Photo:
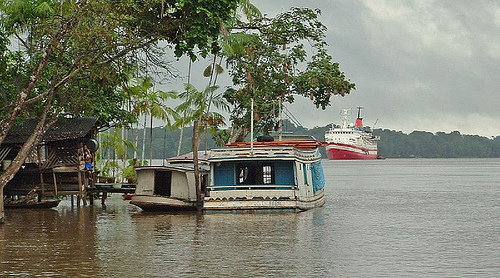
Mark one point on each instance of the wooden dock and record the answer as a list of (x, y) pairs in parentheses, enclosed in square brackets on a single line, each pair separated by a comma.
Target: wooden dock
[(105, 188)]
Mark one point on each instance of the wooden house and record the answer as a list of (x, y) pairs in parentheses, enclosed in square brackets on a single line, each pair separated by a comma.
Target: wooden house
[(56, 166)]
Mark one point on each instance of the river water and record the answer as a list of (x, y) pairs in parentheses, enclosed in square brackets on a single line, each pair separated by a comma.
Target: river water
[(384, 218)]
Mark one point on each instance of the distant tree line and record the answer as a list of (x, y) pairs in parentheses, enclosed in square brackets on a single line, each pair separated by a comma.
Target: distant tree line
[(439, 145), (393, 144)]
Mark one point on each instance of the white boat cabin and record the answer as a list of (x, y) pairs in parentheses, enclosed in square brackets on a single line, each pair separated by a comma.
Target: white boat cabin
[(269, 176)]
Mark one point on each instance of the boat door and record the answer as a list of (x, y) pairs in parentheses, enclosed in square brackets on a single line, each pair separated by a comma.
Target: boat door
[(163, 183)]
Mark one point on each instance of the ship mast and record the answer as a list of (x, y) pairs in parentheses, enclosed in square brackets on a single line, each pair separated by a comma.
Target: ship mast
[(359, 120), (345, 118), (359, 110)]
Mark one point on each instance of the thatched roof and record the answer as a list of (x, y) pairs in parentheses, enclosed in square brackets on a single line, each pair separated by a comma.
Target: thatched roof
[(63, 129)]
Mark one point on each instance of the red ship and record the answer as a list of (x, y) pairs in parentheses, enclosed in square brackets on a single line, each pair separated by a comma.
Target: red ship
[(350, 141)]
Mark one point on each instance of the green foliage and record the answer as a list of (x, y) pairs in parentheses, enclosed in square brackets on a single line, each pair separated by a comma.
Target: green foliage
[(269, 63), (393, 144), (146, 101), (439, 145), (129, 171), (188, 25), (165, 142), (115, 142), (86, 50), (196, 106), (112, 142), (108, 168)]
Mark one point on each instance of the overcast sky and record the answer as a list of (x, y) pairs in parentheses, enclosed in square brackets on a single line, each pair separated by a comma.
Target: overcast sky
[(418, 65)]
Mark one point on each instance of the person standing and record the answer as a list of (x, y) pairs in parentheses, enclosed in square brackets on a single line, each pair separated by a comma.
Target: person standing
[(87, 156)]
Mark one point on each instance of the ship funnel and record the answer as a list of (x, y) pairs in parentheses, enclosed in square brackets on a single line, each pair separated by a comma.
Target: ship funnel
[(358, 123)]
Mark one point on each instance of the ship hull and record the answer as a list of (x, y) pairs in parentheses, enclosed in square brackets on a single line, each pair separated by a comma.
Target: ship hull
[(336, 151)]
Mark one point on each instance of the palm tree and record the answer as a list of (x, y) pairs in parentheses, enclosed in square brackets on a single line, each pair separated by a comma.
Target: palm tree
[(195, 110), (149, 102), (197, 105), (120, 146)]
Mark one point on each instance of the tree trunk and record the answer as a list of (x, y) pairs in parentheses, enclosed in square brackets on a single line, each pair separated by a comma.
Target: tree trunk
[(144, 139), (180, 139), (151, 141), (7, 123), (2, 213), (237, 133), (136, 141), (206, 138), (197, 183), (184, 114), (33, 140)]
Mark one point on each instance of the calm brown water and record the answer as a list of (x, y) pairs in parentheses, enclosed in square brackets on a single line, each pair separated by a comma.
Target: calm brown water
[(390, 218)]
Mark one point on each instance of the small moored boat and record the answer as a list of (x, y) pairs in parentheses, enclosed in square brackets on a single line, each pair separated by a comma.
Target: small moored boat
[(43, 204), (170, 187)]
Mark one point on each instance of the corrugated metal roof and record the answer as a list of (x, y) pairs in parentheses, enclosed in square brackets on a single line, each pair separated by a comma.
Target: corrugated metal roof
[(63, 129)]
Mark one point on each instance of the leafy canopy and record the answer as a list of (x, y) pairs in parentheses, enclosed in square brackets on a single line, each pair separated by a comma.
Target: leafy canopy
[(77, 53), (269, 61)]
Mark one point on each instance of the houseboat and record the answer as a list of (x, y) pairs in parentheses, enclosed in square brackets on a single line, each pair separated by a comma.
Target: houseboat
[(170, 187), (266, 174)]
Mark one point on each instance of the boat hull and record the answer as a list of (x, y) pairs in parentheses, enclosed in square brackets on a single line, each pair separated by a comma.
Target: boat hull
[(316, 201), (261, 204), (264, 203), (250, 204), (345, 152), (158, 203), (44, 204)]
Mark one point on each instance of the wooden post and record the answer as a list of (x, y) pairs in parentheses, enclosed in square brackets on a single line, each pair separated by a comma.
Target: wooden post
[(80, 193), (2, 214), (84, 190), (55, 182), (103, 199), (39, 153)]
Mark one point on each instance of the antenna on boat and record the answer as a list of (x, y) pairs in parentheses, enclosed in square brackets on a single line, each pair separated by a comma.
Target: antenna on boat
[(359, 111), (251, 128), (345, 115), (280, 122)]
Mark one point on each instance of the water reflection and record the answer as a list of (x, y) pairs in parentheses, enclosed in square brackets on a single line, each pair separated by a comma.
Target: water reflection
[(120, 240), (47, 242)]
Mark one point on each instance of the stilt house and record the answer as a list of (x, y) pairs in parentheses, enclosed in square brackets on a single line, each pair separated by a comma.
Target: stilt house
[(56, 166)]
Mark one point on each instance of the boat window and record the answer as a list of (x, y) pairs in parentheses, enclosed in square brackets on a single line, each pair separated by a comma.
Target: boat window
[(267, 174), (255, 173), (242, 174)]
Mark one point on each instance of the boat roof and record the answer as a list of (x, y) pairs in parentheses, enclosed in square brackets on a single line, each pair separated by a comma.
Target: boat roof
[(203, 156), (181, 167), (299, 144), (305, 151)]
